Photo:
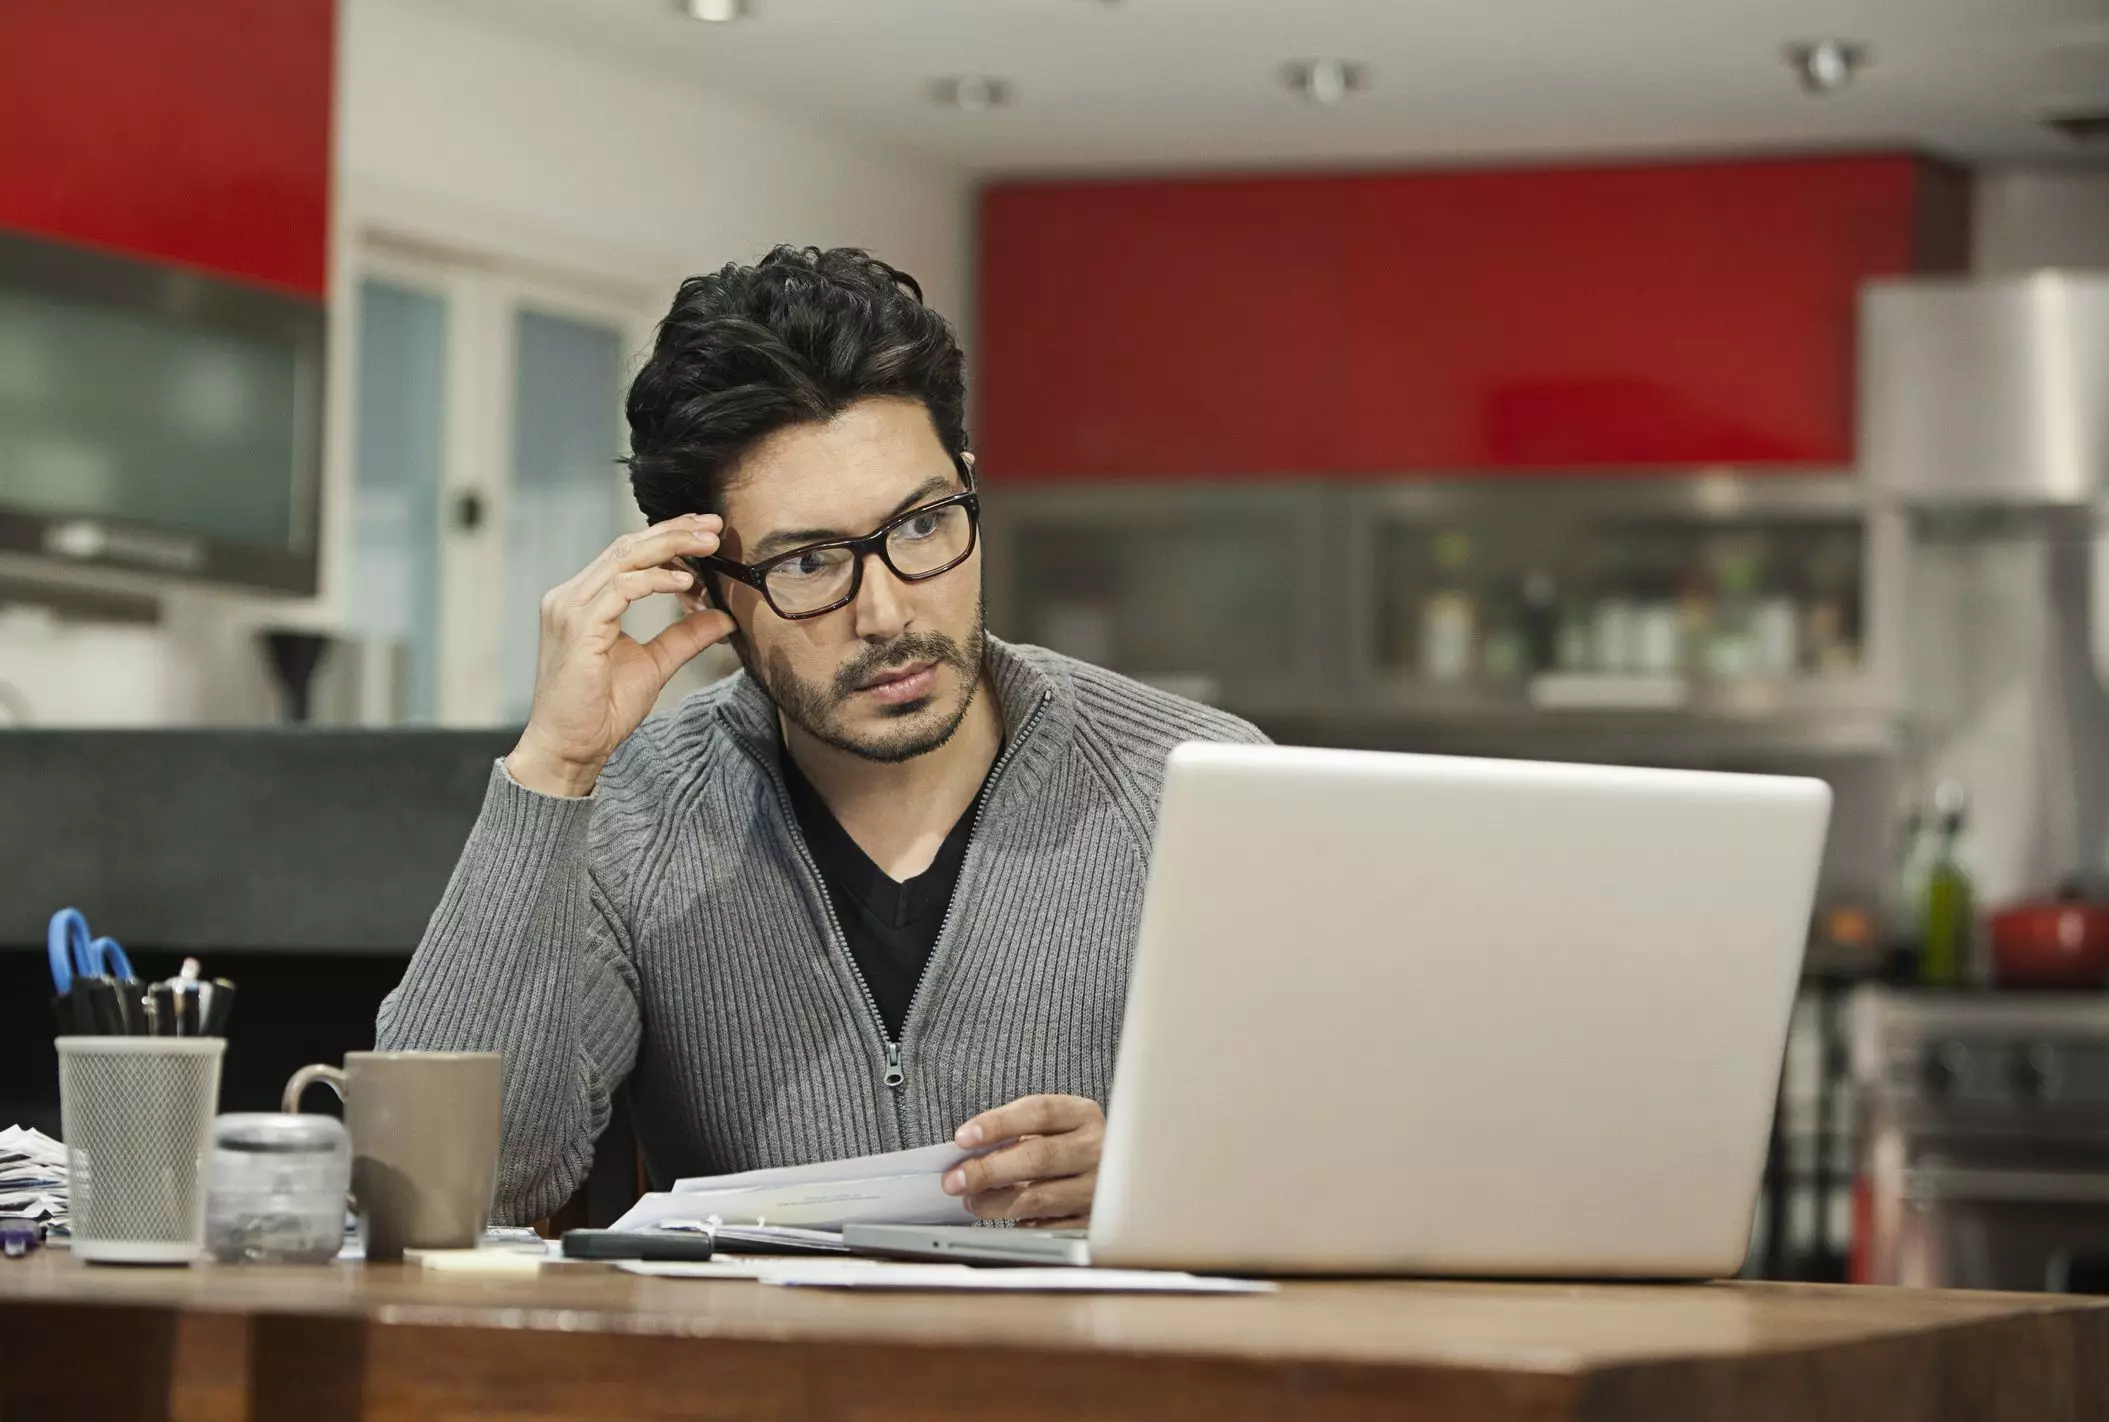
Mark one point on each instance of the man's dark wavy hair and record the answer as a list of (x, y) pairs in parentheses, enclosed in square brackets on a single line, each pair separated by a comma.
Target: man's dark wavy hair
[(796, 338)]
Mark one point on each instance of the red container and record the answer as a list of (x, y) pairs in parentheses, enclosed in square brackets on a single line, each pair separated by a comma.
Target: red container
[(2058, 943)]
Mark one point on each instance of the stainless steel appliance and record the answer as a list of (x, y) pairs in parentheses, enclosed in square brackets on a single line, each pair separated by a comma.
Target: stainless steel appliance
[(1986, 392), (1984, 1148), (1983, 426)]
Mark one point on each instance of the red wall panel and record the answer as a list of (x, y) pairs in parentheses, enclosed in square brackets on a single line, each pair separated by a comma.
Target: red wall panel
[(195, 132), (1147, 329), (1443, 321), (1586, 317)]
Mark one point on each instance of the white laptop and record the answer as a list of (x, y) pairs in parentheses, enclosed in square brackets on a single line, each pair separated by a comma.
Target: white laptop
[(1426, 1015)]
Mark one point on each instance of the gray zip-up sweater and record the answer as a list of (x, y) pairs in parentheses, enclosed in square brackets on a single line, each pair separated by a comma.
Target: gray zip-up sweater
[(669, 934)]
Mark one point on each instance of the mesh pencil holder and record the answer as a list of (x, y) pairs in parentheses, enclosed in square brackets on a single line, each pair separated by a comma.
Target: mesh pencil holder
[(137, 1116)]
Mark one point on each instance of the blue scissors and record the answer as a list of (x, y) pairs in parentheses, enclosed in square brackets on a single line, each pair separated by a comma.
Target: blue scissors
[(75, 954)]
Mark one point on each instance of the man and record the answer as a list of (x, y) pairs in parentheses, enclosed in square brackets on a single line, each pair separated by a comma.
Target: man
[(879, 889)]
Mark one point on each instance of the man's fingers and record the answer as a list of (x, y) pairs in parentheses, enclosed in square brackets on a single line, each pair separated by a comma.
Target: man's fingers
[(680, 643), (1037, 1200), (690, 536), (1028, 1116), (1034, 1158), (642, 583), (625, 588)]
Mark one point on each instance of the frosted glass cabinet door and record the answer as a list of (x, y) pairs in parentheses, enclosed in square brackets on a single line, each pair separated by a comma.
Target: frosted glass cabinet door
[(400, 448), (566, 499)]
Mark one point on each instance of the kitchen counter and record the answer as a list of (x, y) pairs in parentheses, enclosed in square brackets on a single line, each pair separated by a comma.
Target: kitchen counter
[(329, 1342)]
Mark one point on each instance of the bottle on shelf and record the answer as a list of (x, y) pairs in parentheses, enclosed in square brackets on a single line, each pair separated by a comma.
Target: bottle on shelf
[(1449, 614), (1948, 924), (1658, 642), (1504, 641), (1405, 585), (1903, 916), (1828, 646), (1617, 633), (1696, 615), (1775, 624), (1576, 650), (1541, 621), (1733, 651)]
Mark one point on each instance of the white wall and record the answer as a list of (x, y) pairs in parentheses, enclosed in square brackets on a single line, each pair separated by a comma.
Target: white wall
[(495, 143), (574, 150)]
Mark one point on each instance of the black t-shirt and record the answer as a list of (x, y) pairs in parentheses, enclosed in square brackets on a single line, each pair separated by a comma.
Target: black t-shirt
[(891, 926)]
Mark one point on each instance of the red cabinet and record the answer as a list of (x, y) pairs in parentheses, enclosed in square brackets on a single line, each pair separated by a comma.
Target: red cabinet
[(1161, 328), (1583, 318), (197, 133)]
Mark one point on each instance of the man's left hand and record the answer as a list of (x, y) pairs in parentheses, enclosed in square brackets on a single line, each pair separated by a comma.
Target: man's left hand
[(1047, 1168)]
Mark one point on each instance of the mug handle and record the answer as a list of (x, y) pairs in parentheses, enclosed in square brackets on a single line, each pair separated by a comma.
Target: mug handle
[(306, 1077)]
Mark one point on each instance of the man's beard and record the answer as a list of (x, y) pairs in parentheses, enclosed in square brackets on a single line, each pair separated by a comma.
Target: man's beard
[(813, 708)]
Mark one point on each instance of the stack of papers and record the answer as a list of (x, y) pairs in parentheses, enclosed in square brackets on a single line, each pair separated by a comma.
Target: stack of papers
[(904, 1187), (32, 1177)]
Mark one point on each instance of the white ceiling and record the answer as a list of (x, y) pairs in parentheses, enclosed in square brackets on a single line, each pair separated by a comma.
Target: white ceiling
[(1154, 84)]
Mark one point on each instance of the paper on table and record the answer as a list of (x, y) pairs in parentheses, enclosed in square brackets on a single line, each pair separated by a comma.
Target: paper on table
[(32, 1176), (871, 1274), (1019, 1281), (903, 1187), (503, 1260), (23, 1143), (751, 1266), (32, 1205)]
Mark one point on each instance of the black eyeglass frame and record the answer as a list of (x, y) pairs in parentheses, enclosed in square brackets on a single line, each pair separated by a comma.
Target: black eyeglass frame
[(756, 575)]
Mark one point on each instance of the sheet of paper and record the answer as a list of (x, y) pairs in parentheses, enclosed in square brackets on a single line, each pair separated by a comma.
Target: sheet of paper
[(902, 1187), (22, 1143), (32, 1207), (827, 1204), (924, 1160), (1021, 1281), (478, 1261)]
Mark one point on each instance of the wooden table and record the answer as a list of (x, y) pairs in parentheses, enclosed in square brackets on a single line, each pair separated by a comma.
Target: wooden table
[(331, 1343)]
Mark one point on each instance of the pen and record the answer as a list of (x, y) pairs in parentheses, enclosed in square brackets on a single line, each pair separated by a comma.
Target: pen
[(95, 1007), (161, 1010), (219, 1005), (186, 985), (131, 1006)]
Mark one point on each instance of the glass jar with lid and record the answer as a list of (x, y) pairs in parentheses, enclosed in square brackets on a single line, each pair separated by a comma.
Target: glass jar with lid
[(279, 1184)]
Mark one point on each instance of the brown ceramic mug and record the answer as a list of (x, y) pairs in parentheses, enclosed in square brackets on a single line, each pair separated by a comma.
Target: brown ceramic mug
[(424, 1132)]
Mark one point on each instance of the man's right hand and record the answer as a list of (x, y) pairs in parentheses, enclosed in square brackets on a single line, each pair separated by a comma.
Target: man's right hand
[(594, 683)]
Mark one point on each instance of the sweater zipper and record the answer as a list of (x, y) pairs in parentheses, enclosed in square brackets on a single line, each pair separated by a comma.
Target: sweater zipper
[(895, 1077), (988, 793)]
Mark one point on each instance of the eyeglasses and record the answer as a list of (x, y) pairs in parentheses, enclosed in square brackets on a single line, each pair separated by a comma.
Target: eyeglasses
[(820, 577)]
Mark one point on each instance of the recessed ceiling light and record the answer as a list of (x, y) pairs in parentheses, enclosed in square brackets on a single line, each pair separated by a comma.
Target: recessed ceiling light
[(716, 12), (972, 92), (1825, 66), (1325, 81)]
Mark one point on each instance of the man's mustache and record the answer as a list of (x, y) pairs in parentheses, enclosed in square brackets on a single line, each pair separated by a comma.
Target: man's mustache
[(903, 651)]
